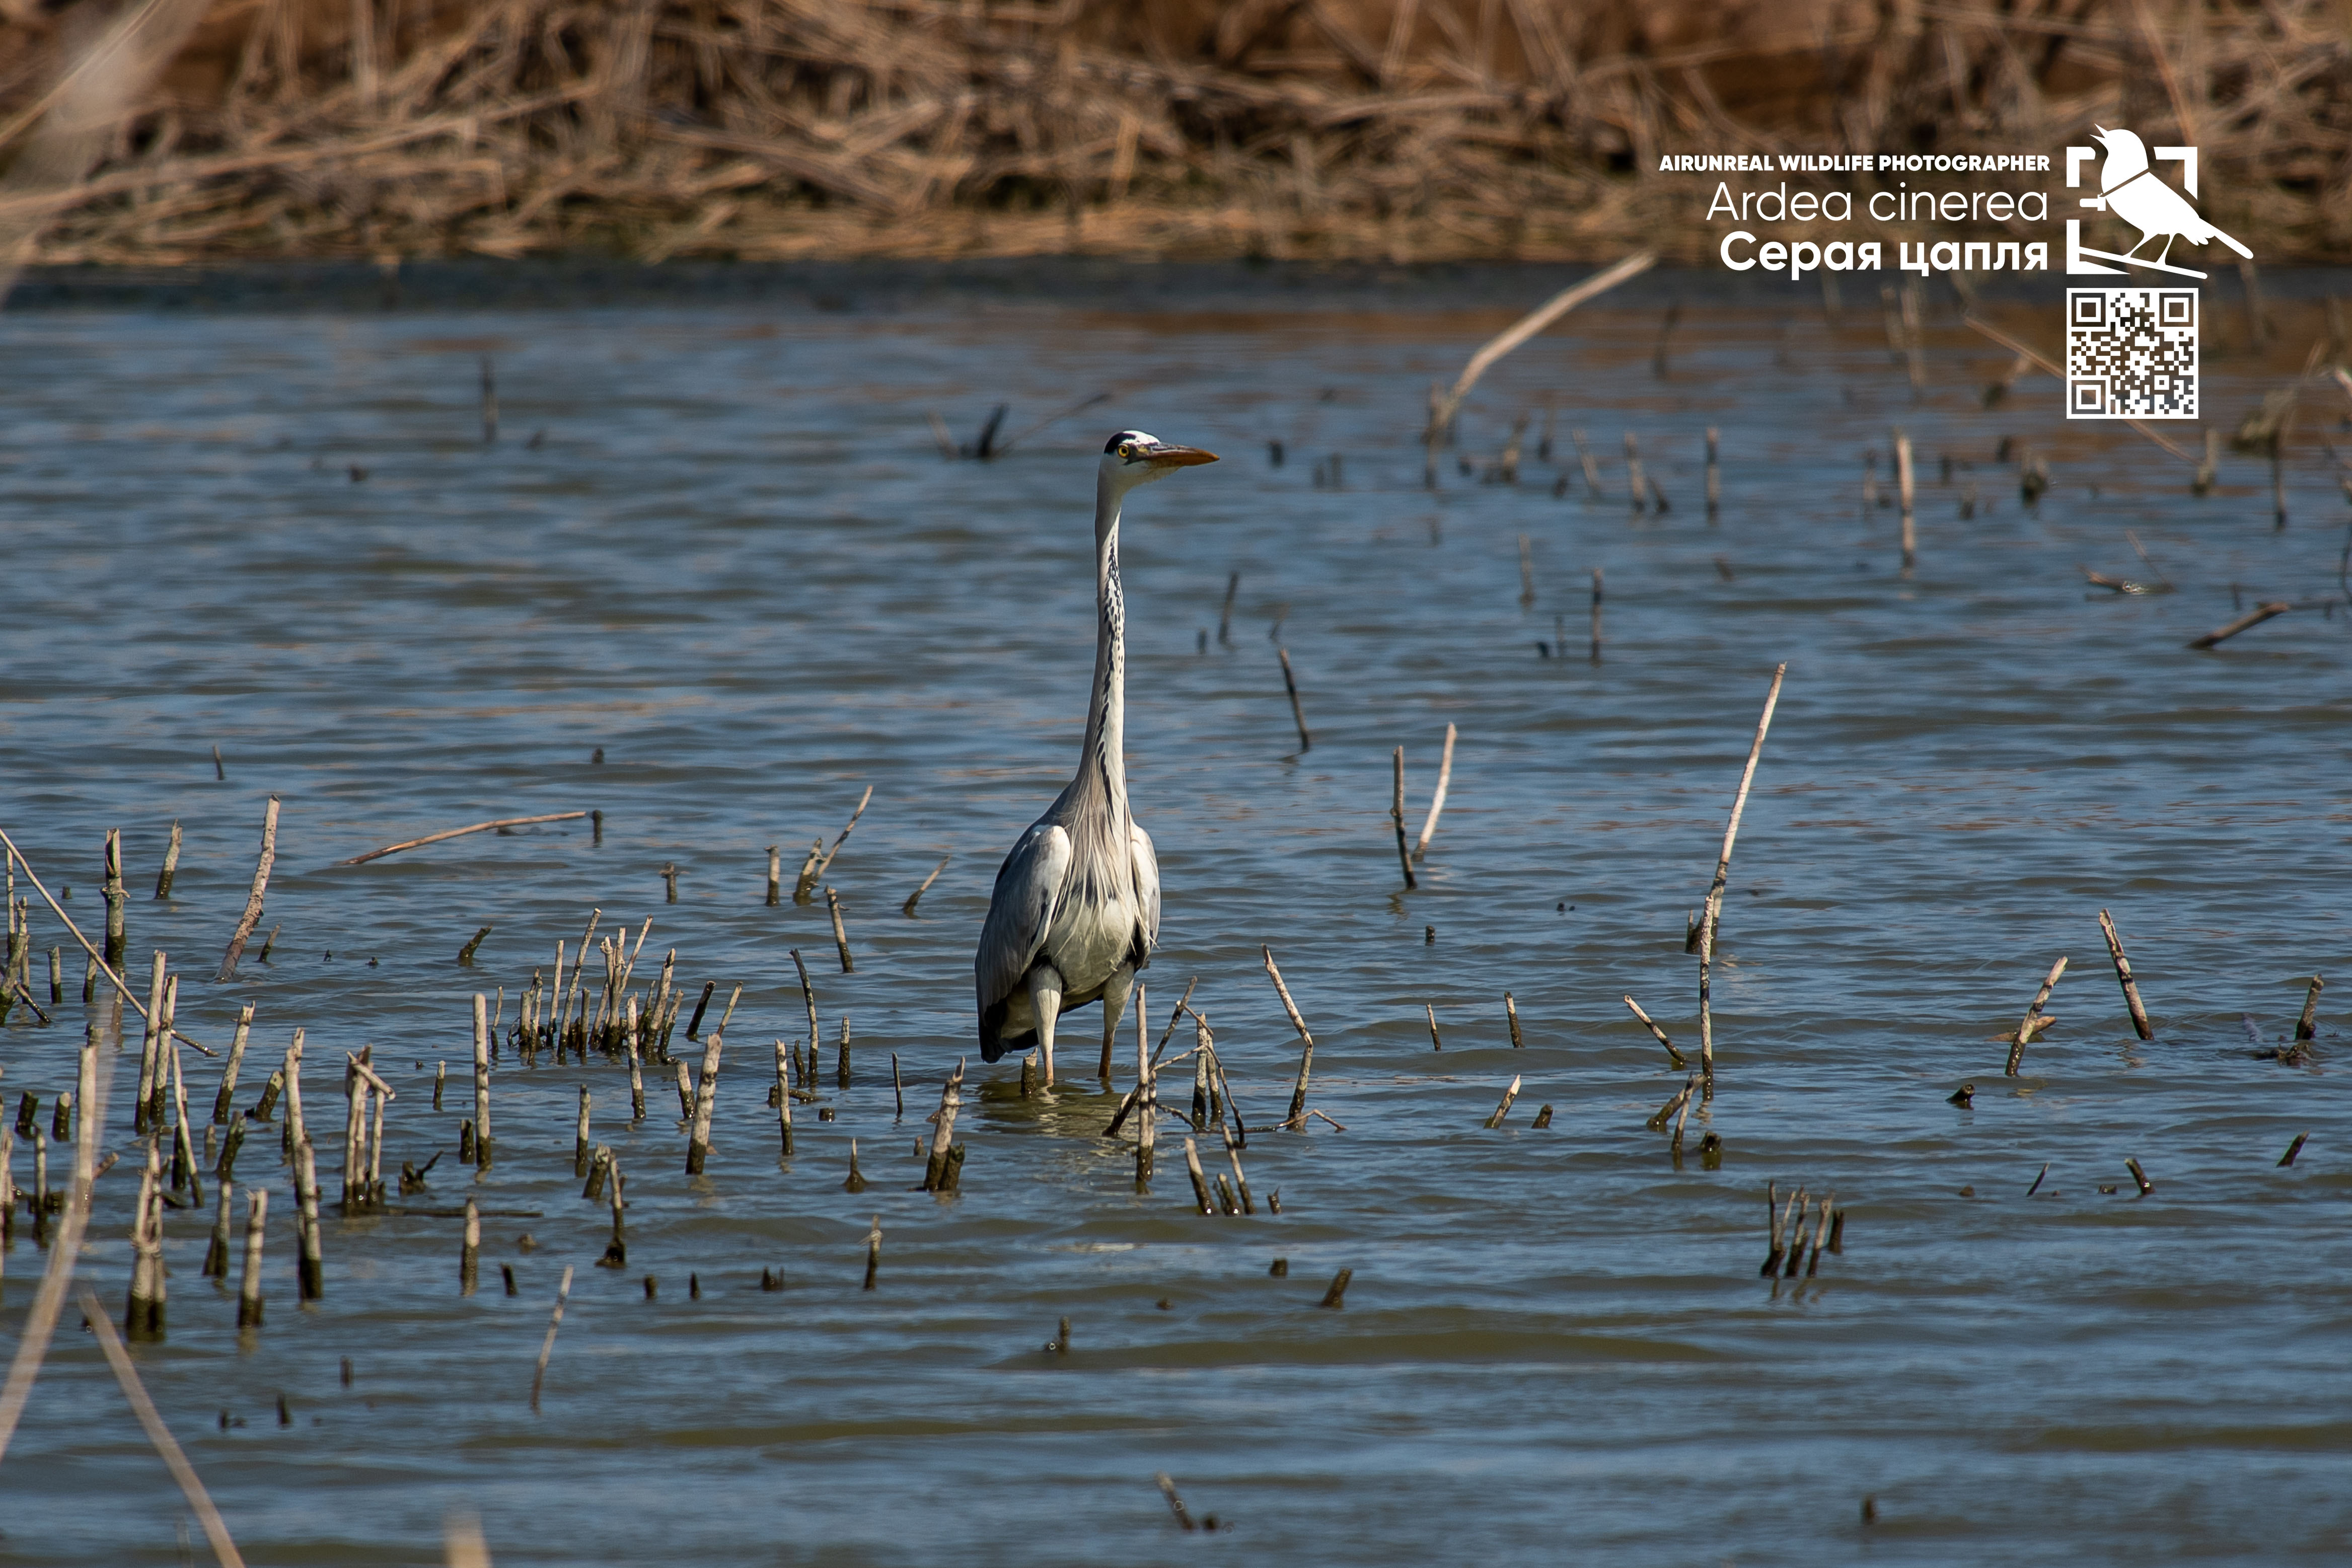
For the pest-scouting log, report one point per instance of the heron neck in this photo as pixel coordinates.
(1102, 765)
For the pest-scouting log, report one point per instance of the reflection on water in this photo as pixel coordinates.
(721, 546)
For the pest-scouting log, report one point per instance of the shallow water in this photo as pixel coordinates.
(721, 545)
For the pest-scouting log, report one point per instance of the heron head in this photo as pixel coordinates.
(1134, 457)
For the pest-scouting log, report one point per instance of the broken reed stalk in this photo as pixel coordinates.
(799, 894)
(1714, 478)
(2030, 1023)
(808, 997)
(1199, 1183)
(175, 1458)
(1713, 914)
(1596, 615)
(1511, 1013)
(2130, 986)
(311, 1273)
(1298, 714)
(1504, 1109)
(461, 833)
(1434, 1042)
(840, 937)
(1445, 403)
(1396, 815)
(1437, 800)
(482, 1155)
(224, 1101)
(908, 909)
(257, 1223)
(706, 1094)
(2253, 617)
(1295, 1117)
(170, 864)
(2306, 1027)
(775, 877)
(252, 916)
(784, 1097)
(873, 1251)
(1903, 493)
(935, 1168)
(469, 1251)
(1656, 1033)
(547, 1349)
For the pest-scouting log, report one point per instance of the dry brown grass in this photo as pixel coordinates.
(1403, 130)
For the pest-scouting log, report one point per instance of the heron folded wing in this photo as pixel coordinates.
(1028, 886)
(1147, 889)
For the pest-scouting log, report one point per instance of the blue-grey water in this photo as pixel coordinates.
(721, 545)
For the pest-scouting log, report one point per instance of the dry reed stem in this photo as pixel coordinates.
(1713, 914)
(65, 1249)
(252, 915)
(461, 833)
(1437, 800)
(175, 1458)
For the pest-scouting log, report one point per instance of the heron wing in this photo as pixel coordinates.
(1147, 889)
(1028, 886)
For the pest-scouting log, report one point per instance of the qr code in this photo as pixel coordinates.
(2131, 353)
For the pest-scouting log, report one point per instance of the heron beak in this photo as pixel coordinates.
(1180, 457)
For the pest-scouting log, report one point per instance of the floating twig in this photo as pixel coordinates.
(460, 832)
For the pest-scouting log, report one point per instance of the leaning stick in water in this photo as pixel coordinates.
(2130, 986)
(459, 833)
(252, 916)
(840, 937)
(1504, 1109)
(65, 1247)
(915, 897)
(1396, 814)
(1295, 1119)
(554, 1321)
(175, 1458)
(2028, 1026)
(2253, 617)
(826, 863)
(1437, 800)
(1656, 1033)
(1298, 714)
(1713, 911)
(2306, 1027)
(1445, 403)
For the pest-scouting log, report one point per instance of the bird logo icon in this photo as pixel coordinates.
(2129, 188)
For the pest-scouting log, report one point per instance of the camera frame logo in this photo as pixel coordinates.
(2132, 352)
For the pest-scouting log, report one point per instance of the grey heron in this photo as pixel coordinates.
(1076, 906)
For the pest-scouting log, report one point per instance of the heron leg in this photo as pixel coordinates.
(2167, 250)
(1045, 996)
(1113, 1006)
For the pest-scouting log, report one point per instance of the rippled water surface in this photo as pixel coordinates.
(720, 546)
